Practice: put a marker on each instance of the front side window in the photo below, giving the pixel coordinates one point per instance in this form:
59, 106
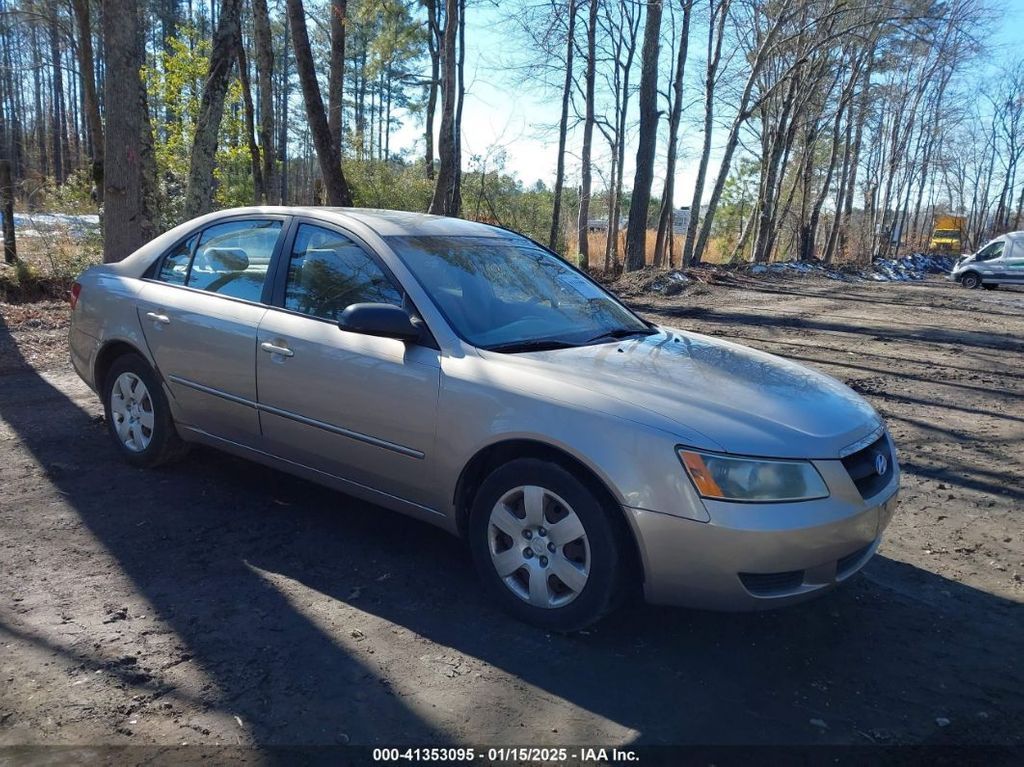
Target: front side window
328, 272
500, 292
990, 251
233, 258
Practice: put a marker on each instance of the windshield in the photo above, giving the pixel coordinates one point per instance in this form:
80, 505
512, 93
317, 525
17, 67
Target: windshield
503, 292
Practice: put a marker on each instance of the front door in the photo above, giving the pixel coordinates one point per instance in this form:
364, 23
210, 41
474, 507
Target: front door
199, 314
359, 407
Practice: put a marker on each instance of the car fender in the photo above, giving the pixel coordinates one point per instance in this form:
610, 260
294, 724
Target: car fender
636, 462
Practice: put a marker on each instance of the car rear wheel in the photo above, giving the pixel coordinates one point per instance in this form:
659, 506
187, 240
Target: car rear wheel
138, 416
971, 281
546, 546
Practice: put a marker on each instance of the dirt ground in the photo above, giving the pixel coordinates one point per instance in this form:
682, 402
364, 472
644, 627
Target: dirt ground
213, 602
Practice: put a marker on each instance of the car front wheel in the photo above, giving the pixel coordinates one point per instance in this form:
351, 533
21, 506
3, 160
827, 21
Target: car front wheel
971, 281
546, 546
138, 416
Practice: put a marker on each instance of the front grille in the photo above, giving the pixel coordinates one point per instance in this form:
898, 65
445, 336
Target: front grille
772, 584
863, 470
850, 561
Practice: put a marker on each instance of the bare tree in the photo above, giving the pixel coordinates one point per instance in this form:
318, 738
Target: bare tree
716, 34
636, 234
675, 115
590, 77
563, 125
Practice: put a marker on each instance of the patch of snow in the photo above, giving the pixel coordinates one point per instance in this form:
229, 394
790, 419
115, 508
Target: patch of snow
71, 225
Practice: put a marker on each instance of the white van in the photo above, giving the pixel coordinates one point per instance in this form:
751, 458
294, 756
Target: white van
1000, 262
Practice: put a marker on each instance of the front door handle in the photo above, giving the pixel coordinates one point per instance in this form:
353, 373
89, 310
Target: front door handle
163, 319
270, 348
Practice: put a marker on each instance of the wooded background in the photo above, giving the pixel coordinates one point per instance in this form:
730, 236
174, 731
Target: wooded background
833, 129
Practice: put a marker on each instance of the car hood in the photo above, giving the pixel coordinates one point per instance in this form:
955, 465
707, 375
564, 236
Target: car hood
743, 401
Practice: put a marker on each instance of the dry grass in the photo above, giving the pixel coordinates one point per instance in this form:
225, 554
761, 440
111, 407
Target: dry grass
716, 253
46, 266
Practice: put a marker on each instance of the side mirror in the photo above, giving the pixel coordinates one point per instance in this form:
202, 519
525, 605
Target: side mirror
383, 320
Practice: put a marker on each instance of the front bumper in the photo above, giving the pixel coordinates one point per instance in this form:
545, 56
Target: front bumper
753, 556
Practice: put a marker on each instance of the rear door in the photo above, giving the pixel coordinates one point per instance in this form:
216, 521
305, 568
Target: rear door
1013, 261
356, 406
199, 312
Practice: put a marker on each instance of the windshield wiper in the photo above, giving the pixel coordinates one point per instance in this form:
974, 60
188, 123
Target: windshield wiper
530, 345
618, 333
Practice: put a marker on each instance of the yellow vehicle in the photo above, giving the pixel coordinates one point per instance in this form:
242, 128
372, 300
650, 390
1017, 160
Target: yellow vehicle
947, 236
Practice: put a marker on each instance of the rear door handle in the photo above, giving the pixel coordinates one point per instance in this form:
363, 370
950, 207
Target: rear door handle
270, 348
163, 319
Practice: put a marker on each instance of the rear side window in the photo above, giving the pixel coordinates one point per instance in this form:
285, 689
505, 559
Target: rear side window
233, 258
327, 272
230, 258
174, 267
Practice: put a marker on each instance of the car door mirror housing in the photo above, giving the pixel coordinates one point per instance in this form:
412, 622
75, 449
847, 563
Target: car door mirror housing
385, 320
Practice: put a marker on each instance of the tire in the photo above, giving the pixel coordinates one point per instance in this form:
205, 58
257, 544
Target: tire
529, 585
971, 280
138, 416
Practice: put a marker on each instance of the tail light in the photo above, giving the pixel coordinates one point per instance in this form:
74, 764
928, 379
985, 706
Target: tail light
76, 291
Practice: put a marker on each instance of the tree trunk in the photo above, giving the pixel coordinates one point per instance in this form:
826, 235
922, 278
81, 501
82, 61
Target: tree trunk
7, 211
858, 134
40, 120
665, 219
563, 127
636, 232
283, 112
59, 129
433, 43
583, 244
258, 190
336, 187
128, 209
92, 106
199, 195
445, 201
460, 100
715, 35
265, 88
336, 76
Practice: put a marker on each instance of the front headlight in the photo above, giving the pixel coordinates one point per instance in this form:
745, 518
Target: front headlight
726, 478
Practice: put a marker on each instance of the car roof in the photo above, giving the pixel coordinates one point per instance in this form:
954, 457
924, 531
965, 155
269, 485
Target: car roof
386, 223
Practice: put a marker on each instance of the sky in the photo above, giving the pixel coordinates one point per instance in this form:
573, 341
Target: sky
499, 111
